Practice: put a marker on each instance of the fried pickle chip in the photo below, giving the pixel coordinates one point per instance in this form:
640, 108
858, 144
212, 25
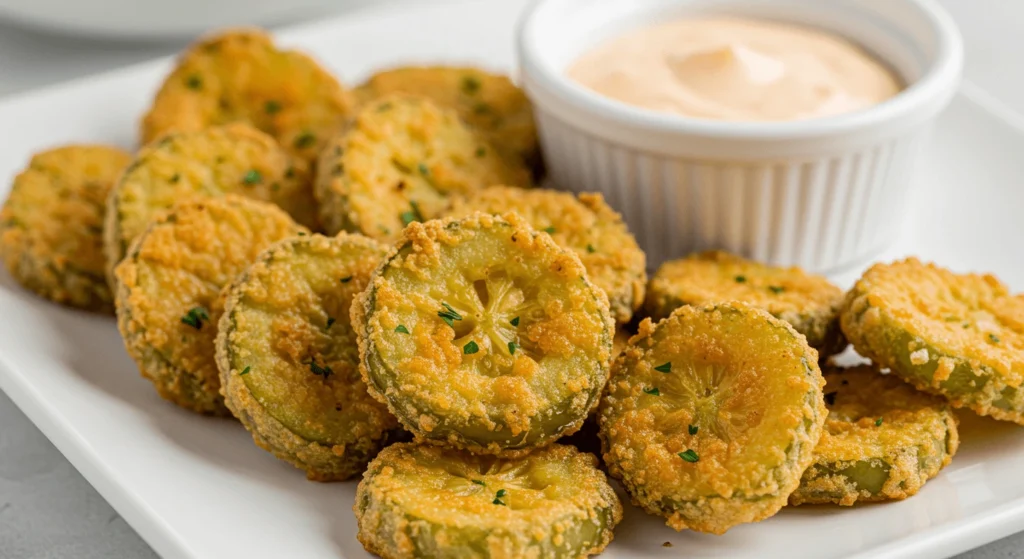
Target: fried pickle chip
958, 336
51, 226
585, 225
228, 159
239, 75
483, 334
711, 416
401, 161
288, 358
809, 302
882, 441
426, 501
169, 286
489, 102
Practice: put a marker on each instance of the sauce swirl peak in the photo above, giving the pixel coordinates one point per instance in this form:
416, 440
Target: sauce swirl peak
737, 70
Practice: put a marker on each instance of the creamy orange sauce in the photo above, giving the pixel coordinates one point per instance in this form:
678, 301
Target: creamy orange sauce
736, 69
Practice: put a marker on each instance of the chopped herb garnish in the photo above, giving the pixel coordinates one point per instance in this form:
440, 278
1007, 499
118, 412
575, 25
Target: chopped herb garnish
514, 321
878, 422
194, 82
320, 371
245, 371
272, 107
195, 317
993, 338
689, 455
512, 347
470, 348
252, 177
423, 169
175, 178
776, 289
664, 367
346, 279
499, 496
401, 329
692, 429
591, 249
330, 321
470, 85
481, 151
449, 315
830, 398
305, 140
478, 482
549, 230
741, 279
653, 391
412, 215
481, 109
289, 172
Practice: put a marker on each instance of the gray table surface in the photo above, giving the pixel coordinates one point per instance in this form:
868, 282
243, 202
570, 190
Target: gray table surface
47, 510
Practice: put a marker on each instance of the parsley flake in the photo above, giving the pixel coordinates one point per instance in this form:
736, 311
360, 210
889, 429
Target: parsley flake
320, 371
194, 82
689, 455
175, 178
478, 482
195, 317
245, 371
346, 279
993, 338
272, 107
741, 279
401, 329
412, 215
549, 230
470, 85
878, 422
653, 391
664, 367
423, 169
512, 347
252, 177
481, 151
591, 249
305, 140
449, 315
498, 497
514, 321
776, 289
692, 429
330, 321
470, 348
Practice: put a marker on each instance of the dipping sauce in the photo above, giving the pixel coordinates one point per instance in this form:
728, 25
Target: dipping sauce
736, 69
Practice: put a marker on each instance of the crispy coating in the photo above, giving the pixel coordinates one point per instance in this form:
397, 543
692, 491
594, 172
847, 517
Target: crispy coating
229, 159
402, 160
288, 358
711, 416
426, 501
489, 102
51, 226
585, 225
239, 75
809, 302
169, 291
958, 336
483, 334
882, 441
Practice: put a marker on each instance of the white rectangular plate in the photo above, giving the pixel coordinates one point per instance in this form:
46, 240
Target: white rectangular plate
198, 488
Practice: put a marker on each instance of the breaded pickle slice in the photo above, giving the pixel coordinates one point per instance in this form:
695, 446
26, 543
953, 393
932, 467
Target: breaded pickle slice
51, 226
401, 161
240, 76
489, 102
809, 302
169, 291
958, 336
882, 441
483, 334
426, 501
585, 225
711, 416
288, 357
229, 159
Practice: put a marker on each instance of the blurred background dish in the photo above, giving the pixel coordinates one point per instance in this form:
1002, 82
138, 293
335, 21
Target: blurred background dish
162, 20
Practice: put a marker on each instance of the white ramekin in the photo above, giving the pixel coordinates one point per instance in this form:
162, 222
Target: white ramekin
823, 194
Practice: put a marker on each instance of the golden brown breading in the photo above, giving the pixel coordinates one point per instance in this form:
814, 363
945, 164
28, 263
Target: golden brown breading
958, 336
424, 501
169, 290
51, 226
402, 160
585, 225
239, 75
288, 358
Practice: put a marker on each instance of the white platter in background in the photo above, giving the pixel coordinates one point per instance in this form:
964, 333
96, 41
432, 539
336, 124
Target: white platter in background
198, 488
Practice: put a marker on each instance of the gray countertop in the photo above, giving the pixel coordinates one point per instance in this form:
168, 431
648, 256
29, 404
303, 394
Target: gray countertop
47, 510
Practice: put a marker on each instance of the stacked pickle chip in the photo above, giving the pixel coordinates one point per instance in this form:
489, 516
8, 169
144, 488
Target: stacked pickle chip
366, 280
